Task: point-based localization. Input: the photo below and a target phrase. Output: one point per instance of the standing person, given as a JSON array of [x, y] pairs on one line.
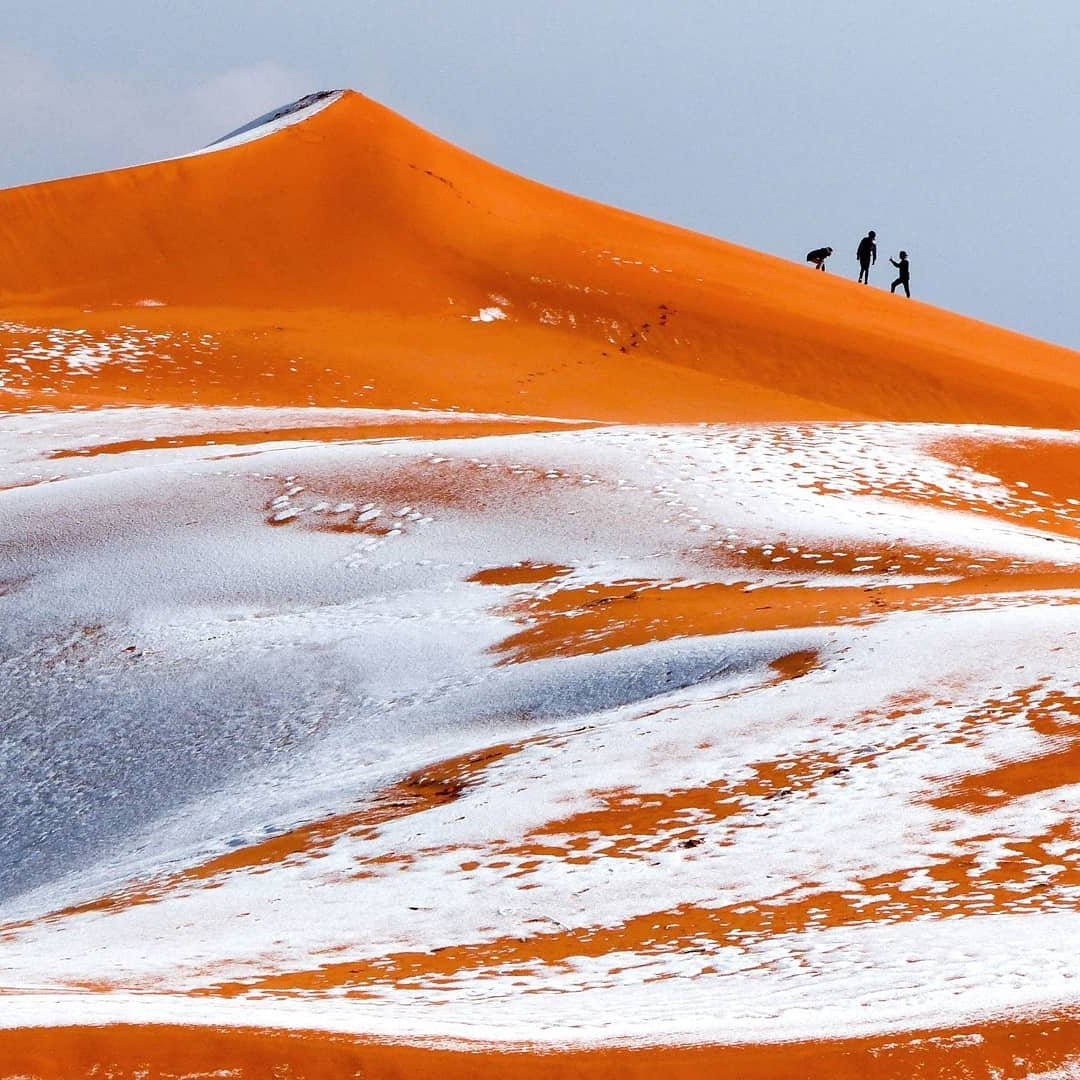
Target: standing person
[[818, 257], [867, 254], [905, 274]]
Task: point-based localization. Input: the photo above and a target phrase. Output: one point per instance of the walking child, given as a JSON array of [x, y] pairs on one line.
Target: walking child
[[904, 277]]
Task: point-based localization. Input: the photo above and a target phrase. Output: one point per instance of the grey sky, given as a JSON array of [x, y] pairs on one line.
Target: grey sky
[[950, 127]]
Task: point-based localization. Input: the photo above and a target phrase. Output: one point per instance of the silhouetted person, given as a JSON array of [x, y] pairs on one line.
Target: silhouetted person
[[866, 254], [905, 272], [818, 257]]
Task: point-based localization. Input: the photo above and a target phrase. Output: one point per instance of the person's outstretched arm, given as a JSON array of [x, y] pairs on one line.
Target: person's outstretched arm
[[895, 263]]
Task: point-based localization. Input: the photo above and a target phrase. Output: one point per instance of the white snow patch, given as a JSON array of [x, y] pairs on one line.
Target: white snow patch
[[273, 122], [488, 315]]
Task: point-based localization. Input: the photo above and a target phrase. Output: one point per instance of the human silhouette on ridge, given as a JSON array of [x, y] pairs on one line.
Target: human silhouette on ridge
[[866, 254], [904, 276], [818, 256]]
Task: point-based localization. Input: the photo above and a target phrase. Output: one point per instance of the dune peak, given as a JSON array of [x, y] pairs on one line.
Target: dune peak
[[294, 112]]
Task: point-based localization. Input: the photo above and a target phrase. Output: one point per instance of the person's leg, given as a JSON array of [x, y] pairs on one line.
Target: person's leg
[[907, 290], [894, 284]]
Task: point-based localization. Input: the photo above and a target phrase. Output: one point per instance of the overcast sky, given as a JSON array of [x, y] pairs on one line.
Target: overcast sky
[[949, 126]]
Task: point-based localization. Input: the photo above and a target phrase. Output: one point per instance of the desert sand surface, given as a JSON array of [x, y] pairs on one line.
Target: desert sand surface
[[452, 628]]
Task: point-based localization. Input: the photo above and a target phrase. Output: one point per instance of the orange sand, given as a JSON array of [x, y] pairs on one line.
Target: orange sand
[[1006, 1050], [340, 263], [350, 250], [595, 618]]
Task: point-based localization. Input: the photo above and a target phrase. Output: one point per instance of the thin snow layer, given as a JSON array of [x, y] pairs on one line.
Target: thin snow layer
[[201, 646], [276, 120], [57, 351], [1070, 1070], [889, 978], [30, 441], [416, 894]]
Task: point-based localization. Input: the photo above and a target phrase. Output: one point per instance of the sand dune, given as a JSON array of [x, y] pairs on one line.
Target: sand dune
[[449, 627], [354, 247]]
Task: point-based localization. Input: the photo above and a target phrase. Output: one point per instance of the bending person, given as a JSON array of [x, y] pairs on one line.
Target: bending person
[[818, 257]]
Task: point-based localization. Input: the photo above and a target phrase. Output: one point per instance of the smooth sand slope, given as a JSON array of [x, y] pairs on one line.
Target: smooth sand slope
[[452, 628], [354, 249]]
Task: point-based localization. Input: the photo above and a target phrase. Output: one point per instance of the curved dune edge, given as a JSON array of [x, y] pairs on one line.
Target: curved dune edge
[[431, 786], [1000, 1051], [749, 467]]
